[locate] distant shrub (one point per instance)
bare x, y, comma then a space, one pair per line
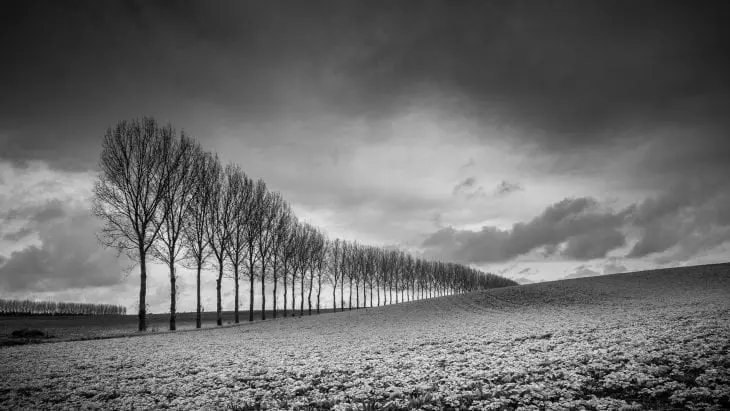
28, 333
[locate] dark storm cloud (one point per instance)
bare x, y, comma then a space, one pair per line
689, 219
594, 244
572, 73
672, 227
579, 218
67, 257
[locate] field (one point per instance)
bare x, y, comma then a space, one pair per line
649, 340
71, 328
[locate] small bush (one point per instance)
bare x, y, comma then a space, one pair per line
28, 333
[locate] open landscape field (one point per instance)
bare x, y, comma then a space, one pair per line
71, 328
650, 340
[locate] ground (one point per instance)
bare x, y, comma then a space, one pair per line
651, 340
72, 328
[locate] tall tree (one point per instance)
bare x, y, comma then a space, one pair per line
320, 261
302, 261
240, 189
253, 234
333, 261
130, 190
288, 254
195, 237
220, 218
270, 208
279, 258
177, 197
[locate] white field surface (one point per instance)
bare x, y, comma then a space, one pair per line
650, 340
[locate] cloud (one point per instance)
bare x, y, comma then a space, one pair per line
68, 256
18, 234
37, 213
51, 211
594, 244
581, 272
682, 222
469, 182
571, 80
581, 218
505, 187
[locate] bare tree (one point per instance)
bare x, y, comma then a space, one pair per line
240, 189
204, 167
130, 189
253, 230
279, 258
288, 254
220, 218
333, 261
172, 216
347, 269
297, 247
270, 208
302, 261
320, 261
384, 273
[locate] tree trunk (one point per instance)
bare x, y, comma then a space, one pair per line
309, 296
371, 293
334, 296
273, 297
251, 284
219, 307
377, 291
198, 319
301, 303
173, 295
293, 294
263, 290
396, 292
357, 294
319, 289
286, 294
349, 295
342, 293
236, 281
142, 315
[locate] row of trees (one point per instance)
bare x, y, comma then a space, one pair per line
36, 307
164, 197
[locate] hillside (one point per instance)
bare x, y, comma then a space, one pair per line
648, 340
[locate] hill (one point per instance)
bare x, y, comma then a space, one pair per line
648, 340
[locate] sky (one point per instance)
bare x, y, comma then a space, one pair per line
538, 140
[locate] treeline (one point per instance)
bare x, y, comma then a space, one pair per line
35, 307
162, 196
